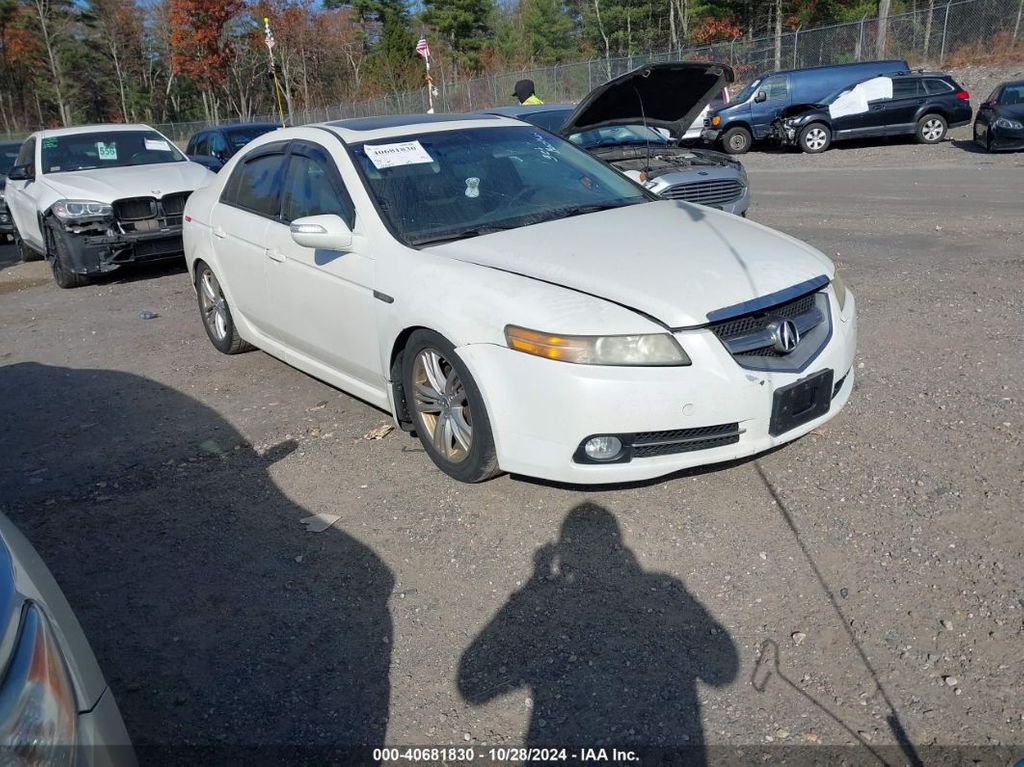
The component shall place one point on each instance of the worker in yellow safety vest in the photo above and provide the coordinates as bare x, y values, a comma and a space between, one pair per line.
524, 92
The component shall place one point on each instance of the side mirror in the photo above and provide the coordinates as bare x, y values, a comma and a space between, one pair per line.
324, 232
761, 96
21, 173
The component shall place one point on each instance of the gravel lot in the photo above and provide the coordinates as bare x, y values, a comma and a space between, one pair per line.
865, 581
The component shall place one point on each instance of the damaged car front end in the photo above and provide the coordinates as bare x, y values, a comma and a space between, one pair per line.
100, 237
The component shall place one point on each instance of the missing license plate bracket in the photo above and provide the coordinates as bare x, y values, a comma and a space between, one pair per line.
800, 402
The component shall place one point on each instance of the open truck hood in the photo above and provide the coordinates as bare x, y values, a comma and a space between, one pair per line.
668, 96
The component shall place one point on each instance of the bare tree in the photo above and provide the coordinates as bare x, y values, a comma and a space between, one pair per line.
883, 28
52, 27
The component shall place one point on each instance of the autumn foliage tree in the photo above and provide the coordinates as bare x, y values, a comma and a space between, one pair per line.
200, 49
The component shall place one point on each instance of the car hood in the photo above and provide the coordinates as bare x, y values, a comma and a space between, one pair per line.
666, 96
670, 260
109, 184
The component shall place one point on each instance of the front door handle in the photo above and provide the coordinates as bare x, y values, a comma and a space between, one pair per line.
275, 255
219, 232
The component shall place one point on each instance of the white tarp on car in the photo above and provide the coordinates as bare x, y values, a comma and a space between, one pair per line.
855, 100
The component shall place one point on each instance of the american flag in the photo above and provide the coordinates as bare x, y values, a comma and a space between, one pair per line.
422, 49
269, 35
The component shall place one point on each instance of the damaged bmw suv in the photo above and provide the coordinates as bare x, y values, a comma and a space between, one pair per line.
94, 198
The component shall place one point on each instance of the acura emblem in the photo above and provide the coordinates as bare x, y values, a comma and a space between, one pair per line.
784, 335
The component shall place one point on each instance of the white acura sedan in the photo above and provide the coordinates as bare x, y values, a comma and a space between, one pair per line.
517, 303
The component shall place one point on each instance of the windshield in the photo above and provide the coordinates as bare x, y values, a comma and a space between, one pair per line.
1013, 93
8, 154
436, 187
239, 137
106, 149
617, 135
746, 93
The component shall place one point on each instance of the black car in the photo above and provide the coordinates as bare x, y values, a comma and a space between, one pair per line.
1000, 120
8, 154
213, 147
922, 104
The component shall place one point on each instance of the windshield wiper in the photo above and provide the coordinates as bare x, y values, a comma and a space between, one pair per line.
580, 210
459, 234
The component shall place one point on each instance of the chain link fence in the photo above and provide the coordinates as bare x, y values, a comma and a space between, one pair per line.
928, 34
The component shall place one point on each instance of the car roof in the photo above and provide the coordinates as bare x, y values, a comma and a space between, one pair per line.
99, 128
392, 126
243, 126
527, 109
11, 143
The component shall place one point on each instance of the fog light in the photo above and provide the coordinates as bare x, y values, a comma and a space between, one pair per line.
603, 448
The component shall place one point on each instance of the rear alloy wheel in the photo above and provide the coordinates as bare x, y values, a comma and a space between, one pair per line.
815, 138
216, 314
737, 141
931, 129
447, 409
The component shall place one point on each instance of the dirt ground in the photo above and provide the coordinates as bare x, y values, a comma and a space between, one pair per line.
863, 585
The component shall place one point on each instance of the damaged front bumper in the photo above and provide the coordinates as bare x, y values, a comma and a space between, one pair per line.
97, 247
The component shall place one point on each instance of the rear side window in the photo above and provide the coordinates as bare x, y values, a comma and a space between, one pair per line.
255, 185
775, 88
27, 154
906, 89
311, 188
199, 144
937, 87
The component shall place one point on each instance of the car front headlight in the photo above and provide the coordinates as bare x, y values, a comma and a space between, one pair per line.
840, 288
38, 711
648, 350
1003, 122
66, 209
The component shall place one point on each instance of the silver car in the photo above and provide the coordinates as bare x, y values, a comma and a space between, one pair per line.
55, 706
637, 122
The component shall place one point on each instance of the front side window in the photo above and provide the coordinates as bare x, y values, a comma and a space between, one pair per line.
311, 189
218, 146
256, 184
775, 88
106, 149
200, 144
448, 185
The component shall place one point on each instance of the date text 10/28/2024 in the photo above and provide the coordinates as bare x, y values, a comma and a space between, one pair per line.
502, 754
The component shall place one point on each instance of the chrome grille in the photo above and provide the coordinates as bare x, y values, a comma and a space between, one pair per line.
714, 192
751, 341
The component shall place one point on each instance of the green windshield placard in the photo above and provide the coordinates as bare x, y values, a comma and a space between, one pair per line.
50, 143
106, 151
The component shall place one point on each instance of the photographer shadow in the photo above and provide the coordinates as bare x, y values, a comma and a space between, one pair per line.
611, 653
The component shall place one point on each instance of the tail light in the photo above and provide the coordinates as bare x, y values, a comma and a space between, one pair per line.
963, 95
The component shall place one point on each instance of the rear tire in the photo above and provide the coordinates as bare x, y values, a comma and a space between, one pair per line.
737, 140
447, 409
216, 314
25, 253
815, 138
931, 129
60, 262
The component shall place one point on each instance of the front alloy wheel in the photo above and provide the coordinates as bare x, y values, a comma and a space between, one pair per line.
815, 138
447, 409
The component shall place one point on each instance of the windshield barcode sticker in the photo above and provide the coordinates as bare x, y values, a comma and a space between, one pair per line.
156, 145
393, 155
106, 151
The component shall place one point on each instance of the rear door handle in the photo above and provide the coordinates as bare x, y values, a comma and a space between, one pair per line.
275, 255
219, 232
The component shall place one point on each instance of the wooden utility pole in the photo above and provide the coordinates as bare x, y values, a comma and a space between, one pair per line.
883, 28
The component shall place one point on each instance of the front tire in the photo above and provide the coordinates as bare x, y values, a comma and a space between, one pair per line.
60, 262
216, 314
447, 409
25, 253
931, 129
737, 140
815, 138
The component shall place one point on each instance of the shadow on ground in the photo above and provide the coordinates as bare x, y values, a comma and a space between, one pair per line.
610, 653
215, 617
